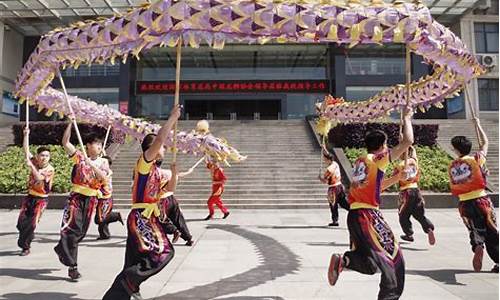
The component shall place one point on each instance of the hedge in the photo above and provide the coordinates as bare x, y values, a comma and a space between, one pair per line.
352, 135
14, 172
433, 164
50, 133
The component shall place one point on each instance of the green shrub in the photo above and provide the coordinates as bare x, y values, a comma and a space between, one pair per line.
14, 172
433, 164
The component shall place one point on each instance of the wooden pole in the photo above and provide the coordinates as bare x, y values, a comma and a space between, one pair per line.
106, 139
176, 97
474, 115
408, 93
27, 119
72, 113
198, 162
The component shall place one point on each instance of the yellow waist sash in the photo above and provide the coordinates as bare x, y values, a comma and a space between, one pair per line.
149, 209
84, 190
412, 185
472, 195
37, 194
358, 205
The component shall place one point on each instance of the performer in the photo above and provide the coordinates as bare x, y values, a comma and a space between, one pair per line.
104, 211
468, 182
218, 180
411, 202
171, 214
87, 178
148, 249
336, 194
373, 244
39, 186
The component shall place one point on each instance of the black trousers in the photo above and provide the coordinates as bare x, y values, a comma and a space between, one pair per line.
336, 197
411, 203
147, 252
479, 218
373, 247
105, 215
75, 224
172, 217
31, 211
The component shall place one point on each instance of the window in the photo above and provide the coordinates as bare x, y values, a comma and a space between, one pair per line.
486, 35
488, 94
375, 66
93, 70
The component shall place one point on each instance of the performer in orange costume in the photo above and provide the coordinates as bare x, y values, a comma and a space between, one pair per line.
39, 186
468, 182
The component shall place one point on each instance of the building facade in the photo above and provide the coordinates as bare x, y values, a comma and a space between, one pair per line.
272, 81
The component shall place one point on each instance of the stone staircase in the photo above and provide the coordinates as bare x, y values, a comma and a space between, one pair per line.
281, 170
450, 128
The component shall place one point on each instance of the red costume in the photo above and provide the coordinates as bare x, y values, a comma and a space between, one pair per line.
218, 180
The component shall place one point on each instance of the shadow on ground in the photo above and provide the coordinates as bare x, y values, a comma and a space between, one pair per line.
34, 274
446, 276
273, 256
39, 296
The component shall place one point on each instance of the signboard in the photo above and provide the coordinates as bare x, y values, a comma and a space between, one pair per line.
233, 86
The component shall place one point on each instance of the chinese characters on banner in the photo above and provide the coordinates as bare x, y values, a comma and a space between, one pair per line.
254, 86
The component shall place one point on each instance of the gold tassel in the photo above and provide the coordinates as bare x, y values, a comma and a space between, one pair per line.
378, 34
332, 33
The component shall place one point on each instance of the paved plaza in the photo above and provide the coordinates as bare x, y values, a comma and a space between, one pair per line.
254, 254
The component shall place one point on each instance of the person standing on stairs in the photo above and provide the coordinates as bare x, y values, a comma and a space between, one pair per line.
336, 193
104, 214
39, 186
218, 180
171, 214
87, 177
148, 249
411, 202
468, 182
373, 244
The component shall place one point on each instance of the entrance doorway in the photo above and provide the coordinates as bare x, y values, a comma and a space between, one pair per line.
233, 109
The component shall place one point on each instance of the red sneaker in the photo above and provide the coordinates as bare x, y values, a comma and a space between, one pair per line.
334, 268
431, 238
477, 260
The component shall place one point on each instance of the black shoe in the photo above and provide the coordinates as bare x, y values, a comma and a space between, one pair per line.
25, 252
226, 215
100, 238
120, 218
494, 269
407, 238
208, 217
73, 273
189, 243
336, 224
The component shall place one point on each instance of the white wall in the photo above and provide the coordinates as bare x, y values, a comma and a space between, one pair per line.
11, 52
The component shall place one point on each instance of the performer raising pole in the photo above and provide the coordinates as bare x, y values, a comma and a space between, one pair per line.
148, 248
407, 174
88, 176
373, 244
39, 186
468, 175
